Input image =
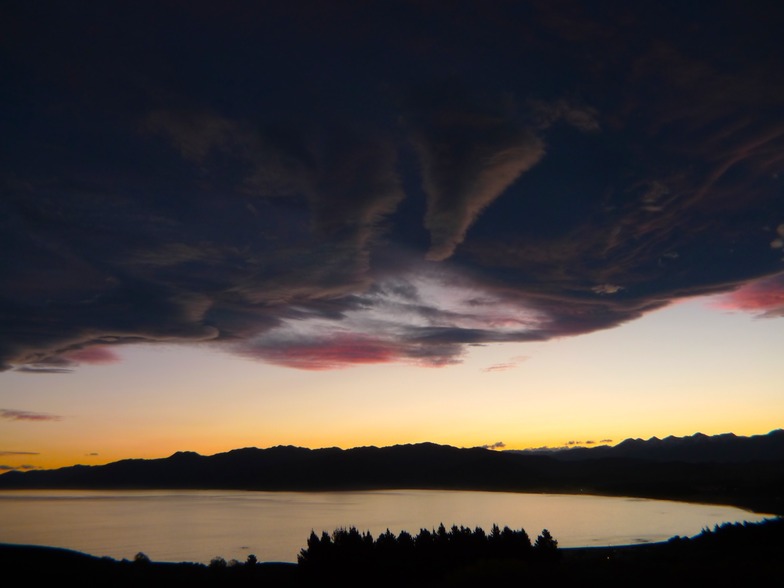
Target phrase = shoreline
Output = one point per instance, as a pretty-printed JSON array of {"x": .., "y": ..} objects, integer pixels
[
  {"x": 626, "y": 540},
  {"x": 769, "y": 507},
  {"x": 731, "y": 554}
]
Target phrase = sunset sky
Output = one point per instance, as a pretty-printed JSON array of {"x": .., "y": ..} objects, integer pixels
[{"x": 368, "y": 223}]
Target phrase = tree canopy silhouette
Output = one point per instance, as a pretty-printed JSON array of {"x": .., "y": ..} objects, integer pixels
[{"x": 430, "y": 552}]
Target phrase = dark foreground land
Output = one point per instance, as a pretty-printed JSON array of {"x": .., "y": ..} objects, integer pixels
[{"x": 734, "y": 554}]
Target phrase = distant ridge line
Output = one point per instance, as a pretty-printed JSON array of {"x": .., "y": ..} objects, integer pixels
[
  {"x": 749, "y": 481},
  {"x": 697, "y": 448}
]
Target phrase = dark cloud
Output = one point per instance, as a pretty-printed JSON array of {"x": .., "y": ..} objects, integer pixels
[
  {"x": 34, "y": 369},
  {"x": 588, "y": 442},
  {"x": 572, "y": 444},
  {"x": 496, "y": 445},
  {"x": 468, "y": 158},
  {"x": 25, "y": 415},
  {"x": 311, "y": 188}
]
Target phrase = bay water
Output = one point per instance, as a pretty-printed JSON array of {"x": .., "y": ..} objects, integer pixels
[{"x": 198, "y": 525}]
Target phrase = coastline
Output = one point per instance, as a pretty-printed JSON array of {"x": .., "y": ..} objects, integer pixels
[
  {"x": 730, "y": 554},
  {"x": 283, "y": 543}
]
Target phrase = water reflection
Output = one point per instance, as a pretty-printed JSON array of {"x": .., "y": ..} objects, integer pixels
[{"x": 199, "y": 525}]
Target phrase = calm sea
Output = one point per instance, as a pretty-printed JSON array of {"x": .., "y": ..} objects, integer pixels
[{"x": 176, "y": 525}]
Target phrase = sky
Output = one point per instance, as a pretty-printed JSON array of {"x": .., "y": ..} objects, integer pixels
[{"x": 503, "y": 224}]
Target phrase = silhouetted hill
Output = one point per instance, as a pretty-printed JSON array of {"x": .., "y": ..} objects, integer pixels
[
  {"x": 697, "y": 448},
  {"x": 49, "y": 566},
  {"x": 296, "y": 468},
  {"x": 730, "y": 555},
  {"x": 755, "y": 484}
]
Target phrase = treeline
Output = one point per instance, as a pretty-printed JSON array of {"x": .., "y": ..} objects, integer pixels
[
  {"x": 429, "y": 553},
  {"x": 739, "y": 554},
  {"x": 738, "y": 538}
]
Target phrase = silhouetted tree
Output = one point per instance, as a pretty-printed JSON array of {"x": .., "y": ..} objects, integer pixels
[
  {"x": 406, "y": 546},
  {"x": 405, "y": 540},
  {"x": 432, "y": 553},
  {"x": 386, "y": 545},
  {"x": 318, "y": 550},
  {"x": 546, "y": 547},
  {"x": 494, "y": 538}
]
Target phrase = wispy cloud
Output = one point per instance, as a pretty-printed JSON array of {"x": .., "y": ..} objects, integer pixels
[
  {"x": 424, "y": 318},
  {"x": 507, "y": 365},
  {"x": 24, "y": 415},
  {"x": 67, "y": 361},
  {"x": 31, "y": 369},
  {"x": 468, "y": 163},
  {"x": 19, "y": 453}
]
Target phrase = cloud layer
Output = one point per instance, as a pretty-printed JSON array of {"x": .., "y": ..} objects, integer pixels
[
  {"x": 764, "y": 297},
  {"x": 25, "y": 415},
  {"x": 311, "y": 188}
]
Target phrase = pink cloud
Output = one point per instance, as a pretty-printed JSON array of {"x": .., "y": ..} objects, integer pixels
[
  {"x": 764, "y": 296},
  {"x": 347, "y": 350},
  {"x": 94, "y": 355},
  {"x": 337, "y": 352},
  {"x": 500, "y": 367}
]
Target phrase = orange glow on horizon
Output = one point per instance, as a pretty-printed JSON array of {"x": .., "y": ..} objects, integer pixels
[{"x": 66, "y": 456}]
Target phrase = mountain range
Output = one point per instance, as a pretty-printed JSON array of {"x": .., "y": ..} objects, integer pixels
[
  {"x": 696, "y": 448},
  {"x": 749, "y": 471}
]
